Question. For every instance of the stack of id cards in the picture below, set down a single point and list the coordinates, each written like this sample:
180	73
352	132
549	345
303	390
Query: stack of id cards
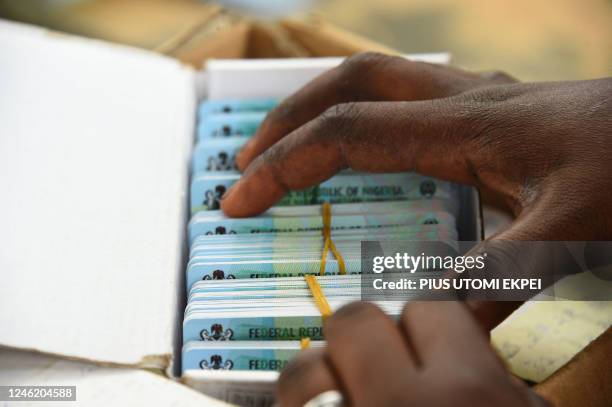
249	305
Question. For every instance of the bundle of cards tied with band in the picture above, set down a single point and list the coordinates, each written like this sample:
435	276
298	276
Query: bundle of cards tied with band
255	285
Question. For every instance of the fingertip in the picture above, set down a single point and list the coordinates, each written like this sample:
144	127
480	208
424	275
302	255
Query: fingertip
256	191
248	198
227	205
231	202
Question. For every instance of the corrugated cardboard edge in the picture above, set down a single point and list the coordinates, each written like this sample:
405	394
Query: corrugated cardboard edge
225	35
222	39
324	39
273	41
181	37
155	363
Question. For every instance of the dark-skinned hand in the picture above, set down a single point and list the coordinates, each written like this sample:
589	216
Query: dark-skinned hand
544	148
436	355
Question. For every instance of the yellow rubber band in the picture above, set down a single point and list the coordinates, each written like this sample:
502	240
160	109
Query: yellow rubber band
324	257
329	244
338	256
315	289
318	295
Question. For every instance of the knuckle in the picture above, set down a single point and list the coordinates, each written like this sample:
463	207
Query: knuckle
477	101
354	71
272	158
484	112
497	77
364	60
337	119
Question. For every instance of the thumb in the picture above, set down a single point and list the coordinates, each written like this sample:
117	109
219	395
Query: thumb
525	260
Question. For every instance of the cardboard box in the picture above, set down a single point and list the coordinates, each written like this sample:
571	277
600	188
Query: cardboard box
94	167
226	36
192	31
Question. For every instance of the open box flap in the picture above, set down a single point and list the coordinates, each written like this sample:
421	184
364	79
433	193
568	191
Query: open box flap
94	147
98	385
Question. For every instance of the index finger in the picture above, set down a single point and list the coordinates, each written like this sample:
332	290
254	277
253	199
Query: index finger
374	137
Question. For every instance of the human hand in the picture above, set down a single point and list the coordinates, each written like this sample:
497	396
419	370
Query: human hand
544	148
433	357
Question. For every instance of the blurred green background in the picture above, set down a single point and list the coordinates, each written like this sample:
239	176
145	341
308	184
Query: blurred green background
530	39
